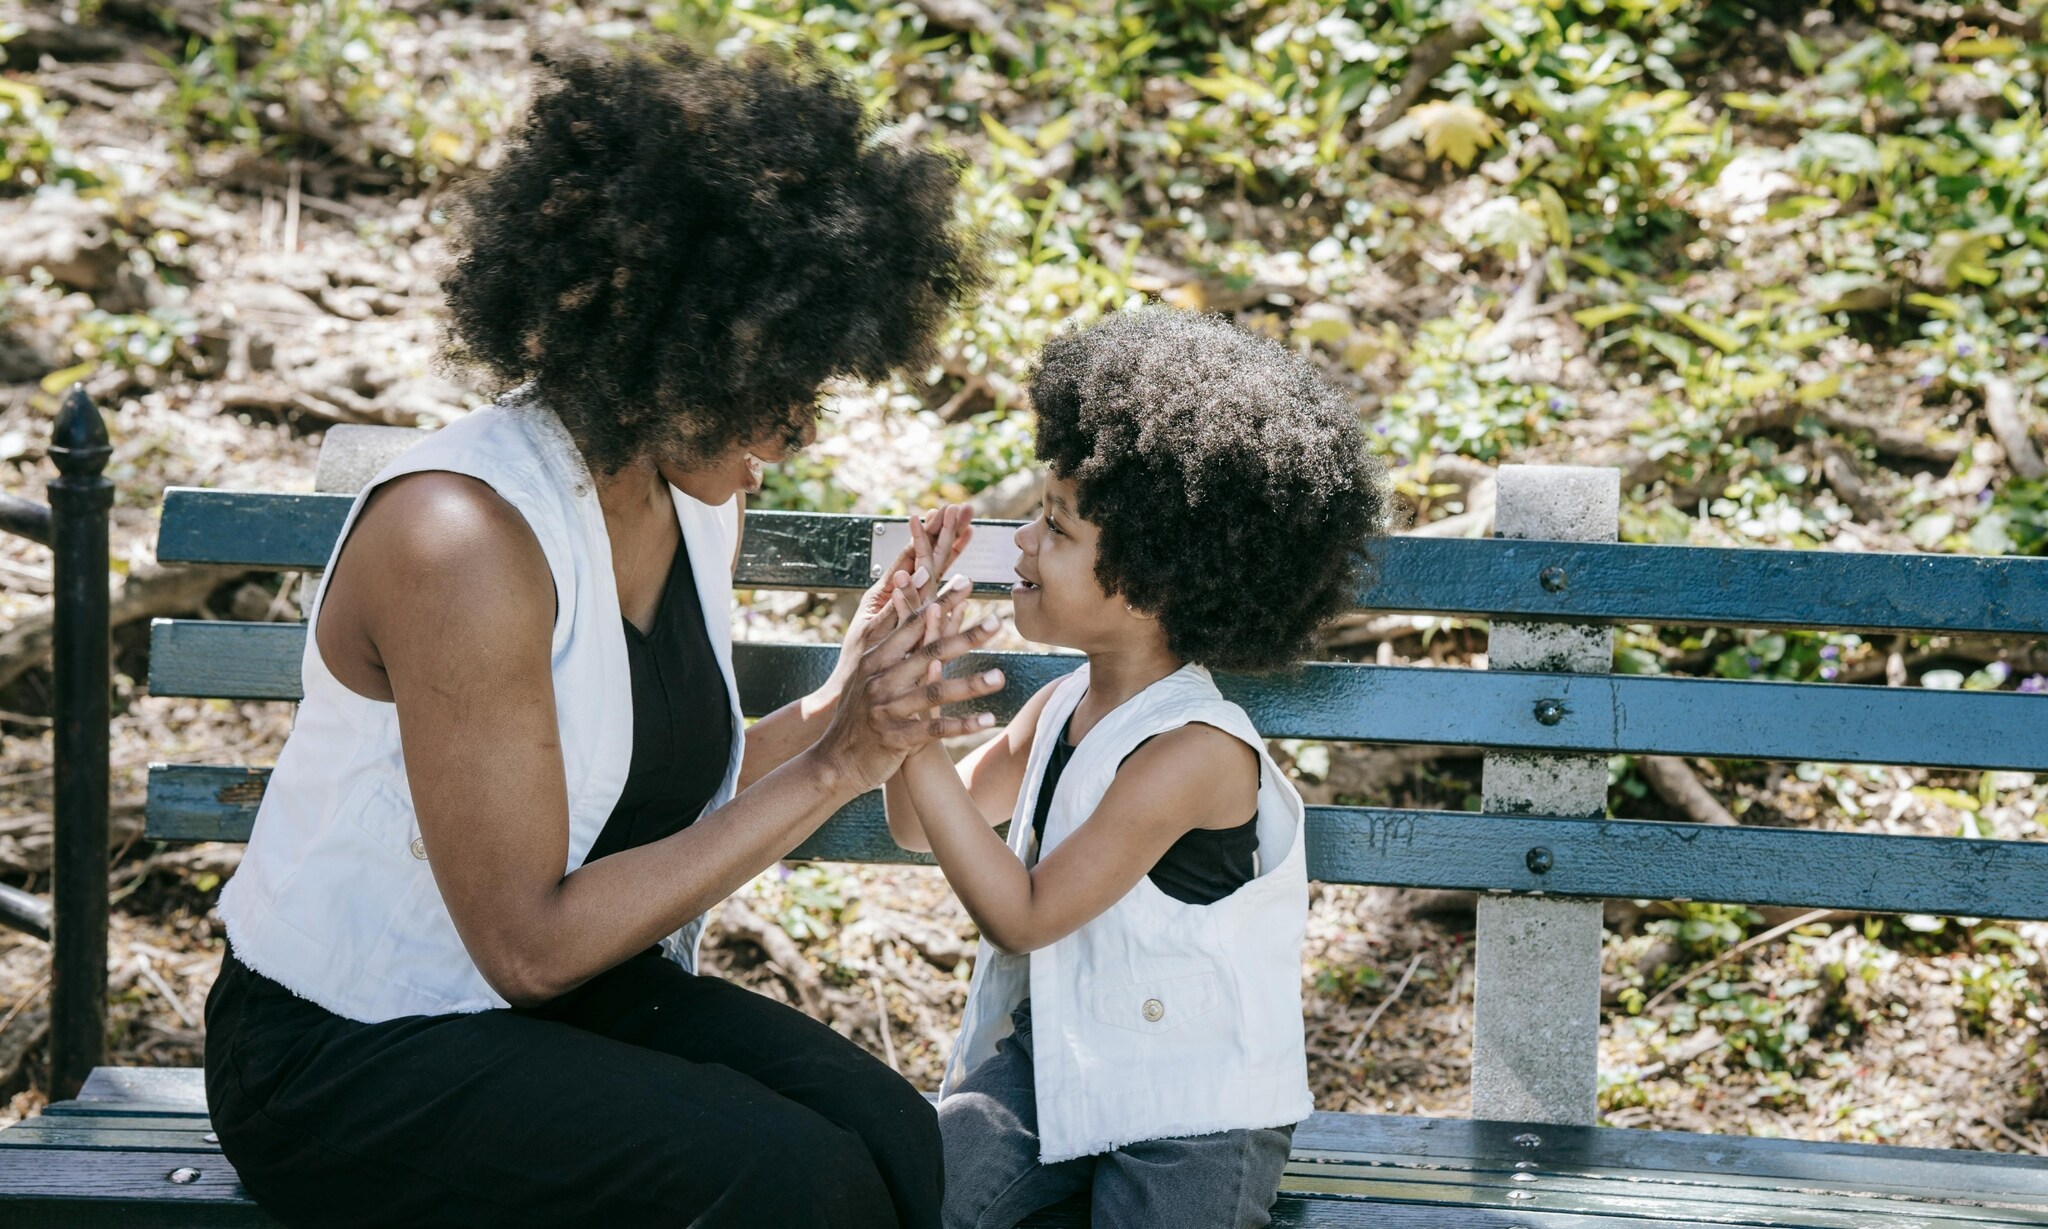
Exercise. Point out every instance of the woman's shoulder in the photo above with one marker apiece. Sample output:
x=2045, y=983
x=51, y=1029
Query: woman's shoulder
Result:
x=435, y=535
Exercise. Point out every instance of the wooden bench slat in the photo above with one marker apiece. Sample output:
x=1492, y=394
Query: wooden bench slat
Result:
x=1614, y=858
x=1602, y=582
x=1402, y=1170
x=1452, y=1142
x=1603, y=714
x=103, y=1135
x=1458, y=1142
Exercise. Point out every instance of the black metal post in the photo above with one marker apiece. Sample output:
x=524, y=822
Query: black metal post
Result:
x=82, y=649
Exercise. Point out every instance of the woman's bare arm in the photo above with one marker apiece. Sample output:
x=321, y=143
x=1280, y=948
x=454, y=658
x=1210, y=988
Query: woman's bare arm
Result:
x=474, y=691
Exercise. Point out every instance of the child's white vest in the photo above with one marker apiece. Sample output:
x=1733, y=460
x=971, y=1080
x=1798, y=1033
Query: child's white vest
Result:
x=334, y=898
x=1158, y=1018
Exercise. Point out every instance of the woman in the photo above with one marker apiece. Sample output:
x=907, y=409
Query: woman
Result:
x=519, y=765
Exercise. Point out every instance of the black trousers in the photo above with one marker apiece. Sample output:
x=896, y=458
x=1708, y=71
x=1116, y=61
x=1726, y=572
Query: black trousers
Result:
x=648, y=1096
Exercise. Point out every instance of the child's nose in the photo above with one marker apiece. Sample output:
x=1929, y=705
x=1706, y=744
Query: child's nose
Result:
x=1023, y=537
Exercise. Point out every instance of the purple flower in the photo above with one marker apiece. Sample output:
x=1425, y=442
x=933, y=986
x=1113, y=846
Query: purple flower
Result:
x=1924, y=382
x=1964, y=349
x=1828, y=672
x=2035, y=684
x=1556, y=403
x=1984, y=496
x=1830, y=652
x=1379, y=428
x=1754, y=661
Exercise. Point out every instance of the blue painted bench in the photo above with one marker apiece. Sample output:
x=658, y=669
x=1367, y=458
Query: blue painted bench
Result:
x=134, y=1146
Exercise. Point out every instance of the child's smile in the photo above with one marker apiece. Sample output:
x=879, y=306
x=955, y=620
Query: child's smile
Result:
x=1057, y=598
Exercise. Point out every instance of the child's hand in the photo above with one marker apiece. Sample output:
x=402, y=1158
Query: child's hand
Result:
x=936, y=539
x=939, y=623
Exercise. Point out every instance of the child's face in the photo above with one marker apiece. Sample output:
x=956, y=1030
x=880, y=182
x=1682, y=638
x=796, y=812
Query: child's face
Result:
x=1058, y=599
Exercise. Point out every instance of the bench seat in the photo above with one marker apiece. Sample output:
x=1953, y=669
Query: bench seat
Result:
x=131, y=1129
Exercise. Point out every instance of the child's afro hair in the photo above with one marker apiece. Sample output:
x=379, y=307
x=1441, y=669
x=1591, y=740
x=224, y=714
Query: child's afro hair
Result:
x=678, y=251
x=1231, y=485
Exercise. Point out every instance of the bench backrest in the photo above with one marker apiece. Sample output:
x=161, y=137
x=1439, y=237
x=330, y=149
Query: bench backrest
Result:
x=1548, y=730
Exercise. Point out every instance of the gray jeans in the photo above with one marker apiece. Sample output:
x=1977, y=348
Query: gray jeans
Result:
x=989, y=1128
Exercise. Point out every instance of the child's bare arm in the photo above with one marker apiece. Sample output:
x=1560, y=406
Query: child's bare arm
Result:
x=993, y=772
x=1192, y=777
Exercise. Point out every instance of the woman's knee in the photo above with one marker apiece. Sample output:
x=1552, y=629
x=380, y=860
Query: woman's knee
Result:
x=824, y=1178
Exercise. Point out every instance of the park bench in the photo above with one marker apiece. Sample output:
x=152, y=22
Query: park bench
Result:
x=133, y=1146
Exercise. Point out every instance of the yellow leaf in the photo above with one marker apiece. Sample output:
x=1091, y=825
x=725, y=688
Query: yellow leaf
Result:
x=1594, y=317
x=1555, y=214
x=57, y=381
x=1984, y=48
x=1188, y=297
x=444, y=145
x=1938, y=304
x=1052, y=134
x=1454, y=130
x=1005, y=138
x=1820, y=390
x=1726, y=340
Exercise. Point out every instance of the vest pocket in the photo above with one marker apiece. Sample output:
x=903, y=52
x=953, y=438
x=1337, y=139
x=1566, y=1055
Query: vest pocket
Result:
x=1157, y=1005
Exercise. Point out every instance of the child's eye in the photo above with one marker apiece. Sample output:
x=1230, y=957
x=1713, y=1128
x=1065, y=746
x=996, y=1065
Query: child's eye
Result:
x=1053, y=525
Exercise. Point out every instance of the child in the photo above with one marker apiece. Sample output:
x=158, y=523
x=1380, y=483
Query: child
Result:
x=1133, y=1028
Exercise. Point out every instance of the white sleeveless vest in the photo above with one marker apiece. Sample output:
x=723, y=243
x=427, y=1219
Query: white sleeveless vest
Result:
x=1158, y=1018
x=334, y=899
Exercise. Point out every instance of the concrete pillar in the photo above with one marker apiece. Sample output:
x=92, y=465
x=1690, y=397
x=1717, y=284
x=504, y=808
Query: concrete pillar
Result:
x=1537, y=998
x=350, y=455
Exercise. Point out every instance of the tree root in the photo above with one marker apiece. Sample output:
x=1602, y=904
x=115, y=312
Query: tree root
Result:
x=972, y=16
x=2008, y=419
x=146, y=593
x=737, y=919
x=1677, y=784
x=1430, y=57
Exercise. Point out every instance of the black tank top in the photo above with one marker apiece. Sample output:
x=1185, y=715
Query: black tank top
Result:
x=1202, y=867
x=682, y=721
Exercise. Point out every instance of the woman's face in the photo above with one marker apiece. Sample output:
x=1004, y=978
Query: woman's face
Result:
x=1057, y=598
x=737, y=470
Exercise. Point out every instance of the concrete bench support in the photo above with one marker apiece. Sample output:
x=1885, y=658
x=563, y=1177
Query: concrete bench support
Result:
x=1537, y=998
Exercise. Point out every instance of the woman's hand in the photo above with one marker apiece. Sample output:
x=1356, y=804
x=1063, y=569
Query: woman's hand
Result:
x=937, y=537
x=893, y=694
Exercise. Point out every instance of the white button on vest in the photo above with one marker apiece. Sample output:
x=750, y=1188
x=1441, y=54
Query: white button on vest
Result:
x=1155, y=1010
x=419, y=848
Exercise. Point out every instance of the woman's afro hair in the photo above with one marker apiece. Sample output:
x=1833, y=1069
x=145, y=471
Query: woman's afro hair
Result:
x=677, y=251
x=1230, y=484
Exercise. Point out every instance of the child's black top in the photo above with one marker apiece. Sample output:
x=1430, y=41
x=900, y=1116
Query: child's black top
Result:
x=1202, y=867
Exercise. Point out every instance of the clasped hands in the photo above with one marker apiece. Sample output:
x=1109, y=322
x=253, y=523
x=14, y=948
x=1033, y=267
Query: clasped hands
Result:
x=891, y=678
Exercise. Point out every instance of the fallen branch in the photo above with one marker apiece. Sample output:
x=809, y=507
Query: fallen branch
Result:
x=1838, y=466
x=1988, y=16
x=1700, y=1043
x=39, y=35
x=1476, y=521
x=1358, y=1038
x=333, y=404
x=1747, y=945
x=974, y=17
x=1677, y=784
x=146, y=593
x=736, y=918
x=1429, y=58
x=2008, y=418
